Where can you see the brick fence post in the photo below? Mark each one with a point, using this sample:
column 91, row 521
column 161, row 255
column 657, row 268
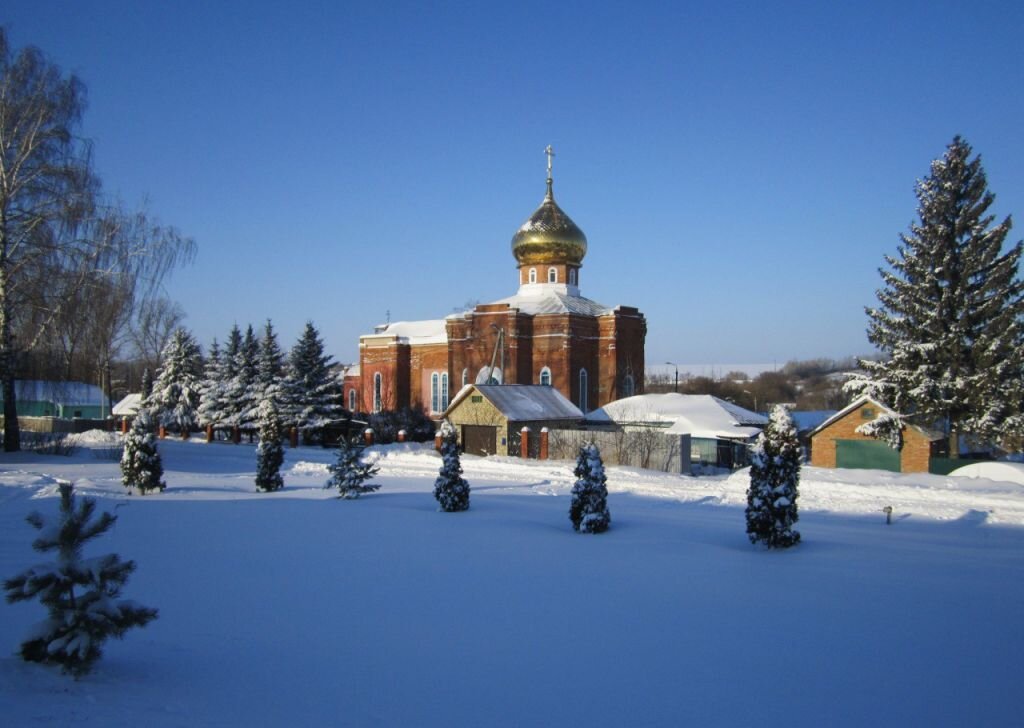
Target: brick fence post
column 236, row 434
column 543, row 443
column 161, row 432
column 401, row 435
column 524, row 442
column 438, row 439
column 293, row 437
column 209, row 433
column 124, row 425
column 368, row 436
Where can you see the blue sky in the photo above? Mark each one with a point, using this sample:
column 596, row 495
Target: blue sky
column 739, row 169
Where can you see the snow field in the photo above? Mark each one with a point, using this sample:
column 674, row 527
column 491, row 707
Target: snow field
column 298, row 608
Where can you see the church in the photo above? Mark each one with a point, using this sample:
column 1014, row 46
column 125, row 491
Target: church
column 548, row 333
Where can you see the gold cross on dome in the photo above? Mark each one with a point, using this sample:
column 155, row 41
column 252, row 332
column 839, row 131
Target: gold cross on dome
column 551, row 153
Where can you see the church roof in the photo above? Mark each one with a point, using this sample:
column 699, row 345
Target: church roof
column 553, row 301
column 414, row 332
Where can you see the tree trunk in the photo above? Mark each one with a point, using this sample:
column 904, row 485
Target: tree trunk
column 12, row 431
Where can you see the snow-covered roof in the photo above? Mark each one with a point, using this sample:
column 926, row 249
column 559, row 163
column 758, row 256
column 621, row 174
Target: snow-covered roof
column 413, row 332
column 523, row 402
column 810, row 419
column 1003, row 471
column 855, row 404
column 697, row 415
column 544, row 300
column 128, row 406
column 62, row 393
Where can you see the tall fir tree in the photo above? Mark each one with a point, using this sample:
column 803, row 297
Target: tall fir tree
column 229, row 359
column 82, row 596
column 174, row 400
column 588, row 510
column 450, row 489
column 141, row 464
column 211, row 391
column 270, row 451
column 774, row 482
column 950, row 315
column 270, row 367
column 350, row 472
column 314, row 393
column 243, row 389
column 147, row 383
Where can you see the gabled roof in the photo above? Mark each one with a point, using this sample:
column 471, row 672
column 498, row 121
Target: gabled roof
column 697, row 415
column 128, row 406
column 868, row 399
column 522, row 402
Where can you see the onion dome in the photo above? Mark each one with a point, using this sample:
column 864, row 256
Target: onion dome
column 549, row 235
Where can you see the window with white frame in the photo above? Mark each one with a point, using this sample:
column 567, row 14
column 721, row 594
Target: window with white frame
column 435, row 399
column 628, row 386
column 572, row 276
column 465, row 377
column 583, row 390
column 444, row 391
column 552, row 275
column 533, row 275
column 352, row 400
column 377, row 400
column 545, row 377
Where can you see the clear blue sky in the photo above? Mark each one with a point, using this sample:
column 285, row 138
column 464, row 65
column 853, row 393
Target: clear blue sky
column 739, row 169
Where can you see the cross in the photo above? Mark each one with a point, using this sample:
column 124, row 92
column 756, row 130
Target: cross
column 551, row 153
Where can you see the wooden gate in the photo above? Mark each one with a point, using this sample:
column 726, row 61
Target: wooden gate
column 480, row 439
column 866, row 454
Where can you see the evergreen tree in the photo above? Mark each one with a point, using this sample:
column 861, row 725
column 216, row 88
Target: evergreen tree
column 229, row 359
column 774, row 479
column 450, row 489
column 270, row 367
column 314, row 393
column 141, row 465
column 81, row 595
column 589, row 508
column 243, row 389
column 212, row 393
column 350, row 472
column 950, row 314
column 175, row 397
column 270, row 451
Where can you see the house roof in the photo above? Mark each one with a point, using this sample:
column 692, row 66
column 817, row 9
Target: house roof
column 61, row 393
column 868, row 399
column 810, row 419
column 697, row 415
column 523, row 402
column 128, row 406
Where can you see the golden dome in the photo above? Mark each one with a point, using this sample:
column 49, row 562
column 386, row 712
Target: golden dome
column 549, row 236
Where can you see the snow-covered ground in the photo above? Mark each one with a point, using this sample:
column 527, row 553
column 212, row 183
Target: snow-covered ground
column 296, row 608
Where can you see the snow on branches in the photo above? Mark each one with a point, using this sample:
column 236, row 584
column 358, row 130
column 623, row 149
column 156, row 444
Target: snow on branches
column 774, row 478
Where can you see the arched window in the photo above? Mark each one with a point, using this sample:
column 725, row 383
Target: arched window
column 352, row 400
column 583, row 390
column 444, row 391
column 434, row 392
column 628, row 386
column 545, row 377
column 465, row 377
column 533, row 275
column 377, row 403
column 552, row 275
column 572, row 276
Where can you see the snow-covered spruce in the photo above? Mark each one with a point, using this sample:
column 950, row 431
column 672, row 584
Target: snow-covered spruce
column 589, row 509
column 270, row 451
column 141, row 464
column 774, row 479
column 350, row 473
column 951, row 319
column 312, row 392
column 81, row 595
column 175, row 396
column 450, row 489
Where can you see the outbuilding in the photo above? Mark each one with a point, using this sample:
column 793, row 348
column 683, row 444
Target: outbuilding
column 490, row 417
column 836, row 443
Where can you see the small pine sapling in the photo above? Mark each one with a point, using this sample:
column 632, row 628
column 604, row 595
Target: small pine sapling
column 350, row 473
column 450, row 489
column 141, row 465
column 270, row 451
column 774, row 480
column 81, row 595
column 589, row 509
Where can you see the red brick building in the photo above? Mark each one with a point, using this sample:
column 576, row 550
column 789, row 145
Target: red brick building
column 547, row 333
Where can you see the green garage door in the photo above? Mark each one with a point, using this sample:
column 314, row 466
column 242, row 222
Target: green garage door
column 866, row 454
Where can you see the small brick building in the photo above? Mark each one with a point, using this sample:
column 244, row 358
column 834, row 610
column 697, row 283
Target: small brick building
column 837, row 444
column 545, row 334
